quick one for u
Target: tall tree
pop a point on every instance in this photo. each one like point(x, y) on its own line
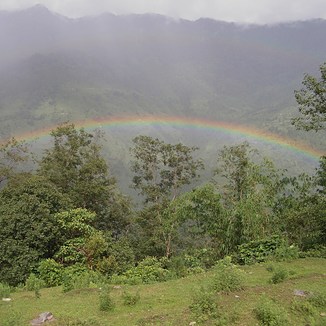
point(312, 102)
point(12, 154)
point(161, 169)
point(28, 229)
point(249, 185)
point(75, 165)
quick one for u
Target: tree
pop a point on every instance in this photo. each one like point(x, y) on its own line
point(242, 172)
point(12, 154)
point(197, 215)
point(28, 229)
point(249, 186)
point(321, 175)
point(75, 165)
point(312, 102)
point(161, 170)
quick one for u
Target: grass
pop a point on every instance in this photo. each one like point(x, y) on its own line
point(168, 303)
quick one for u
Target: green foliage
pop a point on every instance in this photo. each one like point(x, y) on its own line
point(227, 277)
point(106, 303)
point(84, 244)
point(75, 165)
point(286, 252)
point(76, 222)
point(33, 283)
point(321, 175)
point(280, 274)
point(71, 253)
point(204, 306)
point(12, 154)
point(28, 230)
point(305, 221)
point(161, 169)
point(4, 290)
point(130, 299)
point(198, 214)
point(258, 251)
point(50, 272)
point(269, 313)
point(312, 102)
point(318, 251)
point(69, 274)
point(149, 270)
point(120, 257)
point(249, 185)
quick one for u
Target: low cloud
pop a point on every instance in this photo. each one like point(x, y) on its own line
point(245, 11)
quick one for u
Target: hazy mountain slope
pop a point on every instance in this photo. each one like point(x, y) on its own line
point(54, 69)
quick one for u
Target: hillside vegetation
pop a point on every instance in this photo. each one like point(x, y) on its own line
point(170, 303)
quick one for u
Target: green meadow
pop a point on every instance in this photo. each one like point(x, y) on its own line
point(169, 303)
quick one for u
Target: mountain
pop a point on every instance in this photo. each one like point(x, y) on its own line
point(54, 69)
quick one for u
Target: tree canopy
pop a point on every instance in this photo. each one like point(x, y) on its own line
point(312, 102)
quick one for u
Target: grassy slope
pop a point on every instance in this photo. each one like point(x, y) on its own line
point(167, 303)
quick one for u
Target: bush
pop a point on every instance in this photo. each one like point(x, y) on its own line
point(203, 305)
point(317, 252)
point(106, 302)
point(286, 252)
point(280, 274)
point(227, 277)
point(149, 270)
point(50, 272)
point(33, 283)
point(270, 314)
point(69, 275)
point(4, 290)
point(130, 299)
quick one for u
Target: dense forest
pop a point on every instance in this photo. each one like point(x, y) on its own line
point(66, 215)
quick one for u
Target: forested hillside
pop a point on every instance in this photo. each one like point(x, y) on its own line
point(209, 153)
point(55, 69)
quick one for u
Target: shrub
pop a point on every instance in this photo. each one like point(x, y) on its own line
point(280, 274)
point(106, 302)
point(227, 277)
point(317, 252)
point(50, 272)
point(33, 283)
point(270, 314)
point(149, 270)
point(203, 305)
point(286, 252)
point(130, 299)
point(69, 275)
point(258, 251)
point(4, 290)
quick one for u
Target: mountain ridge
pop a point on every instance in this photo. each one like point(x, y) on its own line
point(55, 69)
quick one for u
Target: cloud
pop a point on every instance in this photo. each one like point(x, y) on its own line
point(246, 11)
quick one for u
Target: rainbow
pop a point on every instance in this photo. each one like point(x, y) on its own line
point(195, 123)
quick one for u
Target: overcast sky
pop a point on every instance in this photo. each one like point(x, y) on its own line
point(243, 11)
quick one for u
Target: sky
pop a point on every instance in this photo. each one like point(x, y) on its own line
point(241, 11)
